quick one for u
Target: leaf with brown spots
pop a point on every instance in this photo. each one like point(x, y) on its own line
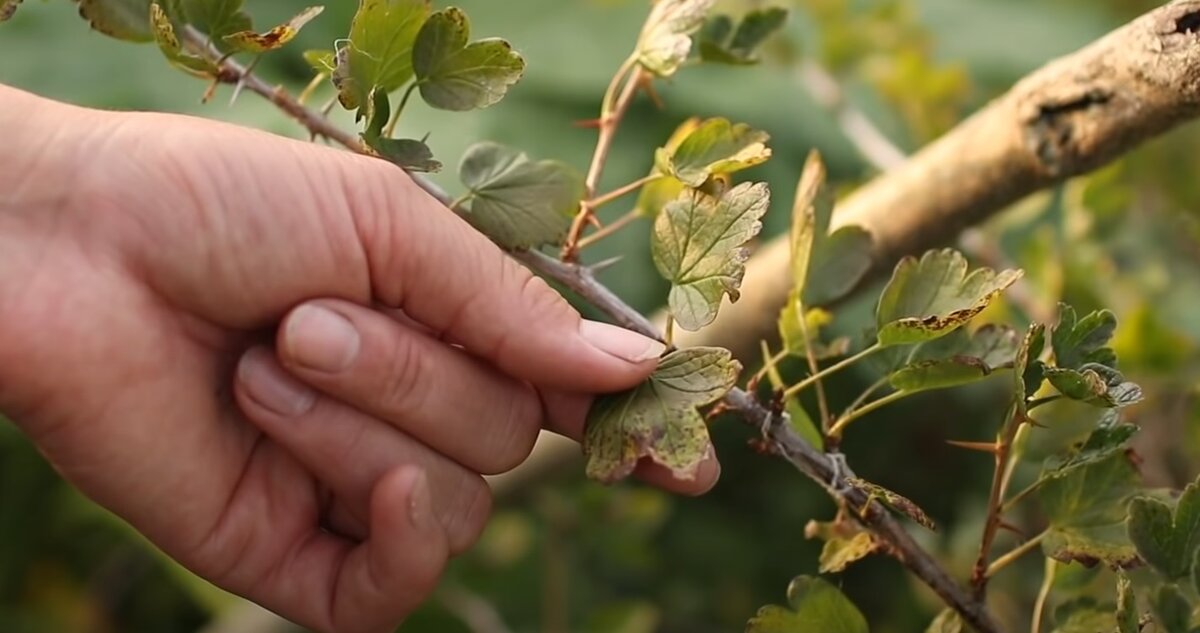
point(168, 43)
point(893, 500)
point(8, 8)
point(931, 297)
point(659, 419)
point(274, 39)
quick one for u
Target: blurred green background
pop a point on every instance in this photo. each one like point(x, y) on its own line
point(568, 555)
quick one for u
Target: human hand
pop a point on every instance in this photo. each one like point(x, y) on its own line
point(146, 264)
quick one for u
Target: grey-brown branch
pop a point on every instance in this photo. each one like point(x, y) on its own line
point(1072, 116)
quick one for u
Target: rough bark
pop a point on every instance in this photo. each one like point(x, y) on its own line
point(1072, 116)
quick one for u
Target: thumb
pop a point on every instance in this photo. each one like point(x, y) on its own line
point(444, 274)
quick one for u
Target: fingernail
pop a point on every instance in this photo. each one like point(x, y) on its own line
point(268, 385)
point(420, 505)
point(617, 341)
point(319, 338)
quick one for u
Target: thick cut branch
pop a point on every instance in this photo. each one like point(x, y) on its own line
point(1070, 117)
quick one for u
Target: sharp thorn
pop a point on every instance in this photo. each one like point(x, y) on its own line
point(984, 447)
point(603, 265)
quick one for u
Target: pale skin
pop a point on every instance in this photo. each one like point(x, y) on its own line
point(284, 364)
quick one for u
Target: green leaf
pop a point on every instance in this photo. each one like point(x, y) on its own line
point(379, 52)
point(929, 375)
point(698, 246)
point(518, 202)
point(666, 39)
point(1128, 618)
point(792, 334)
point(815, 605)
point(274, 39)
point(1172, 611)
point(1086, 507)
point(1028, 370)
point(409, 154)
point(717, 45)
point(456, 75)
point(824, 267)
point(1084, 616)
point(168, 44)
point(1110, 437)
point(8, 8)
point(1096, 384)
point(127, 20)
point(1167, 541)
point(659, 418)
point(931, 297)
point(216, 18)
point(1077, 342)
point(715, 147)
point(948, 621)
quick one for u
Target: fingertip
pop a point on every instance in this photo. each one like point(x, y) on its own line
point(626, 345)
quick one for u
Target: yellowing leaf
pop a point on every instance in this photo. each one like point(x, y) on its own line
point(659, 419)
point(456, 75)
point(123, 19)
point(666, 39)
point(814, 606)
point(380, 49)
point(658, 193)
point(276, 38)
point(168, 43)
point(931, 297)
point(698, 246)
point(839, 553)
point(517, 202)
point(716, 146)
point(8, 8)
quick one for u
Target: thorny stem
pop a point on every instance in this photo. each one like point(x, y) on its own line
point(829, 371)
point(609, 229)
point(1000, 479)
point(842, 424)
point(611, 114)
point(1015, 554)
point(784, 440)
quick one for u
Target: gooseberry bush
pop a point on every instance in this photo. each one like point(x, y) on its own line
point(936, 325)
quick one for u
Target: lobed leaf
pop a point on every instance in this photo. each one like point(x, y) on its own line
point(1168, 541)
point(714, 147)
point(931, 297)
point(1086, 507)
point(518, 202)
point(379, 51)
point(721, 43)
point(456, 74)
point(698, 246)
point(127, 20)
point(1077, 342)
point(251, 42)
point(814, 605)
point(666, 39)
point(659, 419)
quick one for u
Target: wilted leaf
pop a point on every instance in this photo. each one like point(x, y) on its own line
point(1128, 618)
point(1167, 541)
point(792, 334)
point(720, 43)
point(1172, 611)
point(1095, 384)
point(666, 39)
point(409, 154)
point(168, 43)
point(8, 8)
point(1077, 342)
point(517, 202)
point(815, 605)
point(948, 621)
point(276, 38)
point(893, 500)
point(379, 53)
point(123, 19)
point(716, 146)
point(839, 553)
point(698, 246)
point(216, 18)
point(933, 296)
point(456, 74)
point(1084, 616)
point(1086, 508)
point(659, 418)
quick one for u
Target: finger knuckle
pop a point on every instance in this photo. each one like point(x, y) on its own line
point(404, 386)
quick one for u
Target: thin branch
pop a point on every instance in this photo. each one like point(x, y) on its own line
point(1017, 552)
point(845, 422)
point(1013, 421)
point(797, 388)
point(620, 192)
point(610, 229)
